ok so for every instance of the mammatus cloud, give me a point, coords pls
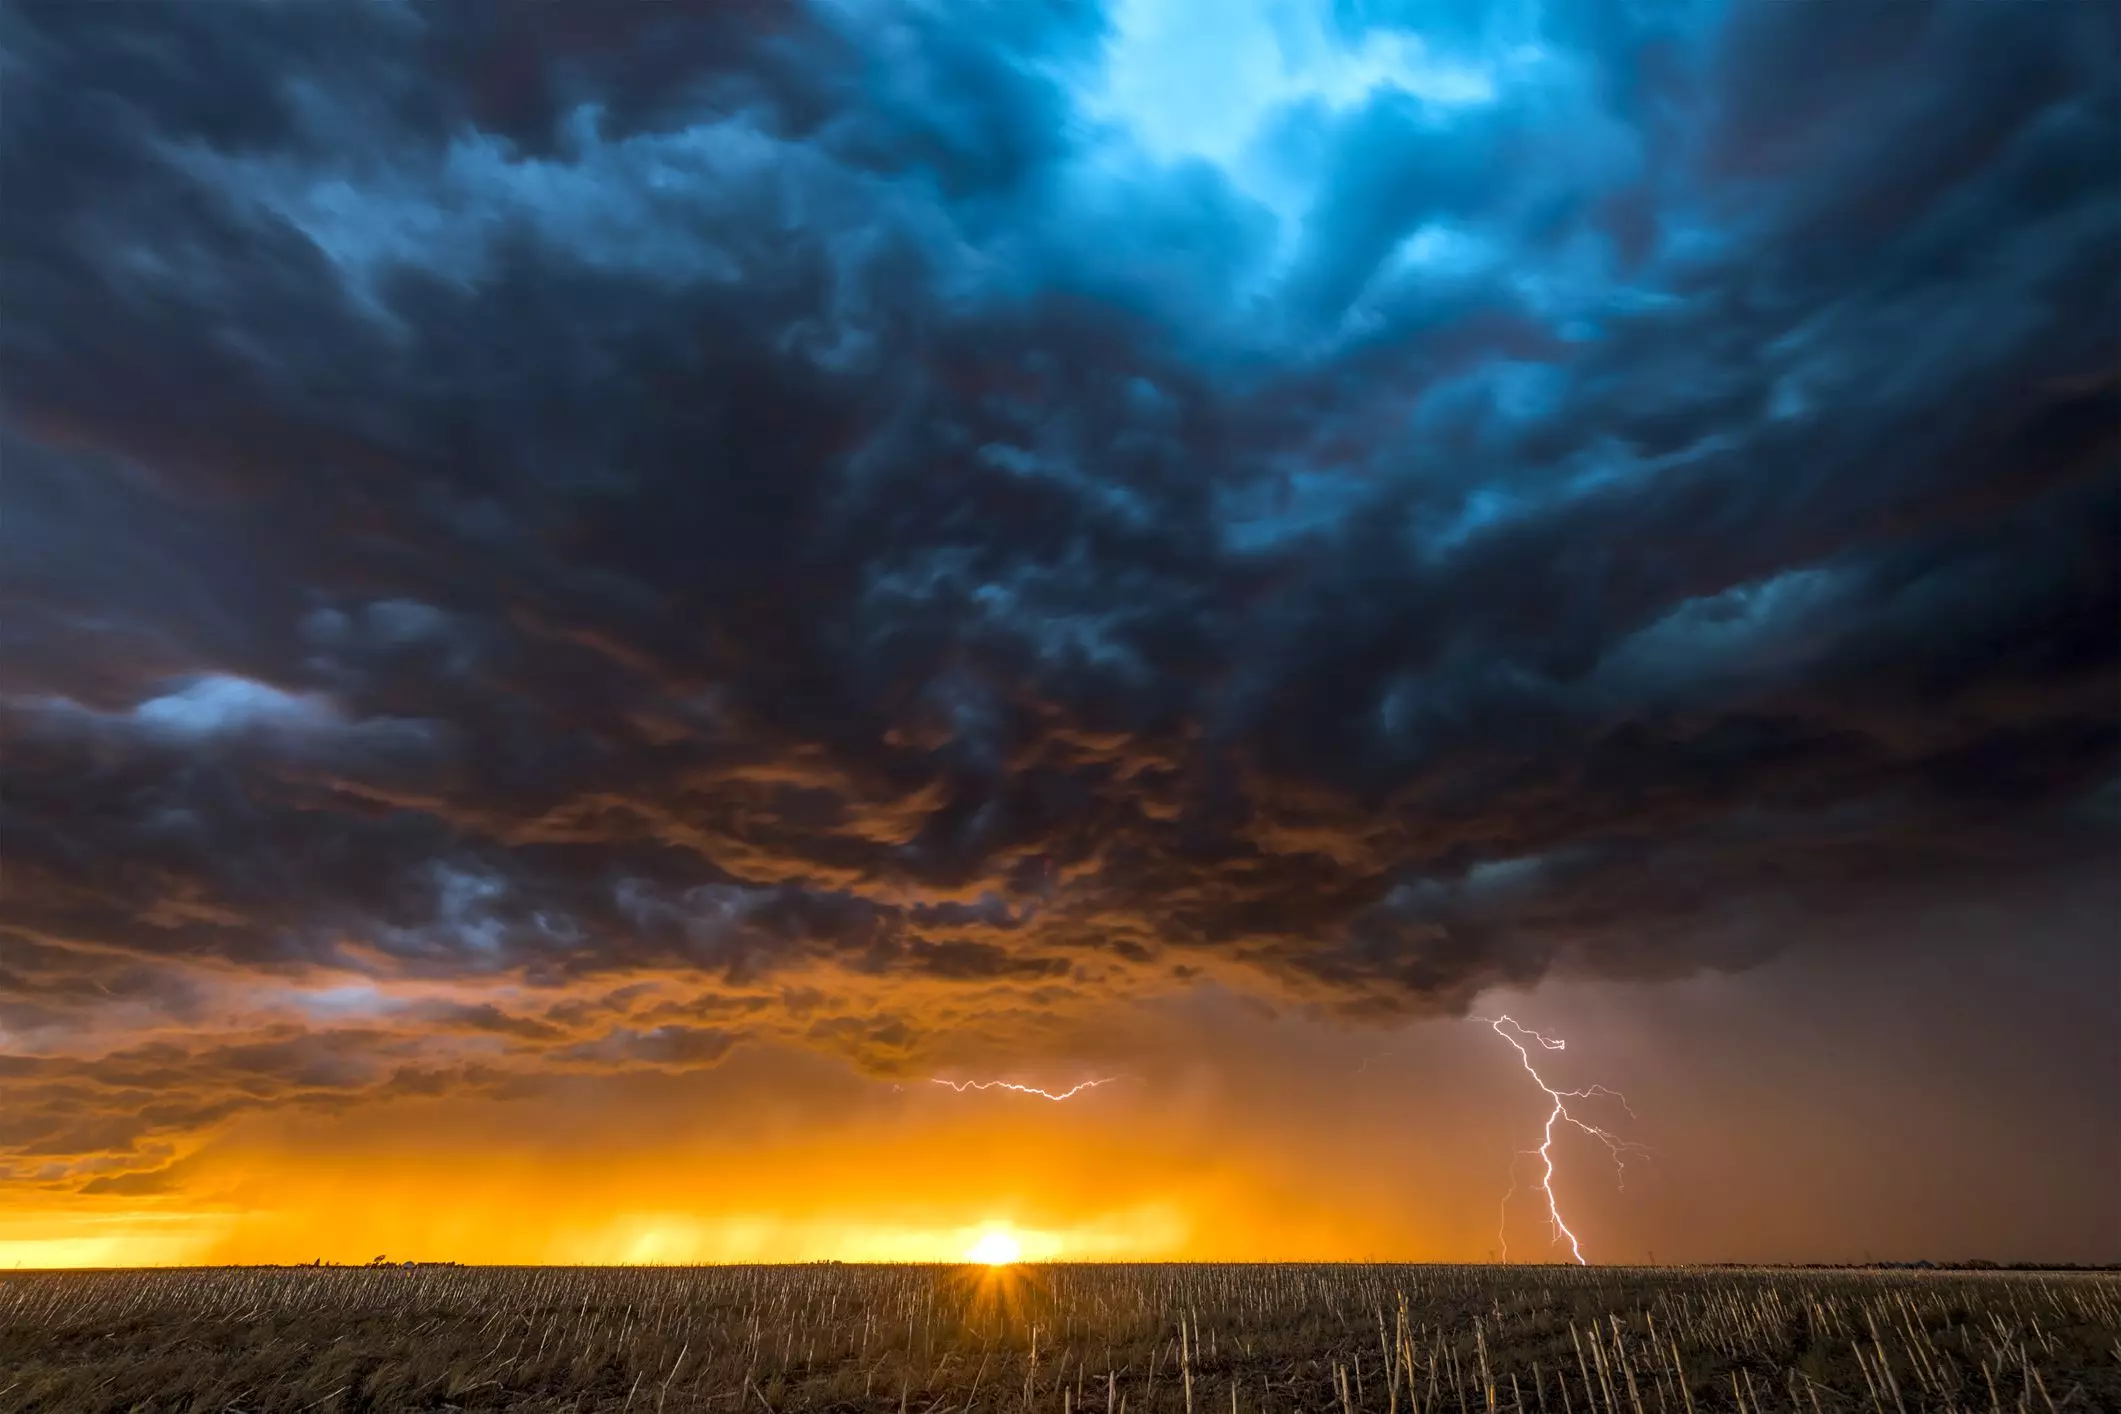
(559, 539)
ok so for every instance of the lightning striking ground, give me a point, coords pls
(1617, 1147)
(961, 1086)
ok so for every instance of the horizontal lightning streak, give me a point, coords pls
(961, 1086)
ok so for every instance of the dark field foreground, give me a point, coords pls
(925, 1340)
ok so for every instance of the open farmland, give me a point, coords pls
(1460, 1340)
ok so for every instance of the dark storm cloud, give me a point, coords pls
(582, 489)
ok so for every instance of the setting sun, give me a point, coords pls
(996, 1249)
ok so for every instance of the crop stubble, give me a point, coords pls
(1107, 1339)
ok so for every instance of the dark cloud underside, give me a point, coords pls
(566, 493)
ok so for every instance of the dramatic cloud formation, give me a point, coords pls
(556, 540)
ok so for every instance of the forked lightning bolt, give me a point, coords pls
(1617, 1147)
(961, 1086)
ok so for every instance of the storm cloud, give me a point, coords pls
(1015, 507)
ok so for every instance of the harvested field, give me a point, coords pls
(925, 1340)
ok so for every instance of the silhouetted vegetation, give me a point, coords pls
(942, 1340)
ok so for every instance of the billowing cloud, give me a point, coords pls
(844, 520)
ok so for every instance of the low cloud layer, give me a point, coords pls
(582, 534)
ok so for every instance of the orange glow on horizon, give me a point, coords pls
(987, 1195)
(303, 1231)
